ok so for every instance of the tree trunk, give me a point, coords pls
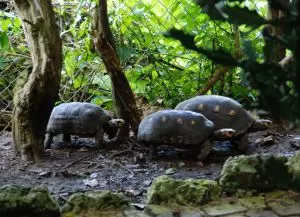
(279, 50)
(122, 94)
(34, 101)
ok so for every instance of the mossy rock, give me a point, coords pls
(23, 201)
(257, 172)
(294, 169)
(190, 192)
(95, 201)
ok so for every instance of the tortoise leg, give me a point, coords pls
(205, 150)
(99, 138)
(66, 137)
(48, 140)
(152, 152)
(242, 143)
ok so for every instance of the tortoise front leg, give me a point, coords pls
(152, 152)
(99, 138)
(242, 143)
(66, 137)
(205, 150)
(48, 140)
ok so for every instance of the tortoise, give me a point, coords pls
(82, 119)
(183, 129)
(225, 112)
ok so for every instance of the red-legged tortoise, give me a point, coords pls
(225, 112)
(82, 119)
(184, 129)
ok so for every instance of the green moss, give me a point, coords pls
(189, 192)
(258, 171)
(96, 200)
(294, 165)
(16, 200)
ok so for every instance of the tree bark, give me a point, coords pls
(34, 101)
(218, 74)
(279, 49)
(122, 94)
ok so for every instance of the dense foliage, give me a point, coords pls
(278, 87)
(158, 68)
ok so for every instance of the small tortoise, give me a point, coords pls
(184, 129)
(225, 112)
(82, 119)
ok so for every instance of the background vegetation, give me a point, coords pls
(159, 69)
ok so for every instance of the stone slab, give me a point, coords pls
(191, 213)
(284, 203)
(261, 213)
(158, 211)
(224, 208)
(253, 202)
(135, 213)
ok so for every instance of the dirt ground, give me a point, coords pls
(78, 167)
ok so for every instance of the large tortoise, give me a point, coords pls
(184, 129)
(225, 112)
(82, 119)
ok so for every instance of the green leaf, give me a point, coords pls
(248, 50)
(239, 16)
(186, 40)
(219, 56)
(4, 41)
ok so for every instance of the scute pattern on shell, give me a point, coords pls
(224, 112)
(77, 117)
(175, 127)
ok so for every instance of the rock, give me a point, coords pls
(134, 213)
(257, 202)
(189, 192)
(158, 211)
(294, 165)
(22, 201)
(94, 201)
(260, 213)
(295, 142)
(284, 203)
(265, 141)
(255, 172)
(294, 169)
(192, 212)
(225, 208)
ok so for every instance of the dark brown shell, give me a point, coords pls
(224, 112)
(77, 118)
(175, 127)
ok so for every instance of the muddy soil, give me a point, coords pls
(78, 167)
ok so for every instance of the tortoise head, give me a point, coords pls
(112, 127)
(262, 124)
(116, 122)
(225, 133)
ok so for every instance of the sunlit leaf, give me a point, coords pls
(4, 41)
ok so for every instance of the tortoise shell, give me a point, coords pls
(224, 112)
(77, 118)
(175, 127)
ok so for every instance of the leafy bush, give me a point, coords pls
(278, 87)
(158, 68)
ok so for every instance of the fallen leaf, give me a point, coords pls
(90, 182)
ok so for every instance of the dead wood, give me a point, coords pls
(85, 157)
(122, 93)
(219, 73)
